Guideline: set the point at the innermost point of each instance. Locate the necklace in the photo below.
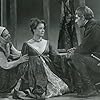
(37, 40)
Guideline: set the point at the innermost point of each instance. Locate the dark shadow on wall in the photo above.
(55, 14)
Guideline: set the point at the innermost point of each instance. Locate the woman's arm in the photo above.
(8, 65)
(53, 53)
(52, 50)
(15, 51)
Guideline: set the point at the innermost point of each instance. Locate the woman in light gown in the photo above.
(38, 78)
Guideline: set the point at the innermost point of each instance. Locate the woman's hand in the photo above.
(70, 52)
(23, 58)
(98, 64)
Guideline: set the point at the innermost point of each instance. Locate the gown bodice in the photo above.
(32, 51)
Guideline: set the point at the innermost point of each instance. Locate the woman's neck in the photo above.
(37, 38)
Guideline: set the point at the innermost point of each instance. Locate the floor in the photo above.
(65, 97)
(75, 98)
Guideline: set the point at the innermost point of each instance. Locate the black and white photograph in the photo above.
(49, 50)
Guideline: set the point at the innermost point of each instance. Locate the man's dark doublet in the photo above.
(91, 38)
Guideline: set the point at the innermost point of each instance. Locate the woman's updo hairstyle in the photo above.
(34, 22)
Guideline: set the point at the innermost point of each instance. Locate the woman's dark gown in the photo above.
(37, 72)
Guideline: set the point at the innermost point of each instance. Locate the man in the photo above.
(85, 64)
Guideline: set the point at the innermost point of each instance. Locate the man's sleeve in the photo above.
(88, 43)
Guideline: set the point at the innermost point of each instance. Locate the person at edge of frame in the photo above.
(85, 56)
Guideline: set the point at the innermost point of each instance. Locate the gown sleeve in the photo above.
(24, 49)
(52, 53)
(23, 67)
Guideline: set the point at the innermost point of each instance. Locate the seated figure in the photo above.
(85, 57)
(39, 78)
(9, 60)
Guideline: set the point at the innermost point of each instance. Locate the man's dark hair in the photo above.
(85, 11)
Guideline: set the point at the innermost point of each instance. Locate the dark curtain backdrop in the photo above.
(27, 9)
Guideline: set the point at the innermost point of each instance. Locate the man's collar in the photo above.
(89, 22)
